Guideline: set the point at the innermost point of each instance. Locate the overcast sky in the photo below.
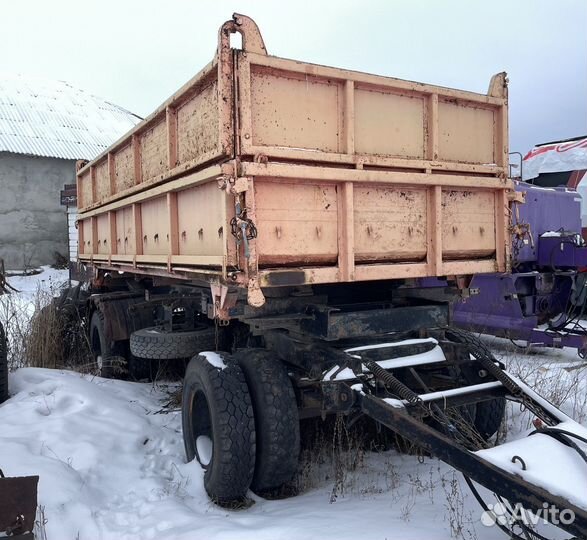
(136, 53)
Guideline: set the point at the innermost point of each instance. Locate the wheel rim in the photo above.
(202, 429)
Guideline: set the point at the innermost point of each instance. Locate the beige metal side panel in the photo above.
(465, 133)
(389, 124)
(154, 150)
(296, 222)
(197, 125)
(390, 224)
(155, 227)
(201, 222)
(124, 174)
(468, 224)
(102, 180)
(85, 246)
(84, 189)
(125, 231)
(103, 230)
(295, 112)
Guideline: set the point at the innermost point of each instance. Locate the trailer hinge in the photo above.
(223, 300)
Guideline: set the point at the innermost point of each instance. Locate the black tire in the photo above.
(110, 356)
(488, 417)
(3, 366)
(488, 414)
(156, 344)
(277, 423)
(217, 411)
(140, 369)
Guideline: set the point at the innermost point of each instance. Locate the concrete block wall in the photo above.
(33, 224)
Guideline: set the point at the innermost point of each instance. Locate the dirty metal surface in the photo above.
(18, 505)
(330, 324)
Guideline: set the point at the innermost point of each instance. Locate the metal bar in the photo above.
(173, 223)
(138, 228)
(366, 272)
(434, 231)
(81, 241)
(94, 233)
(432, 128)
(419, 165)
(349, 117)
(244, 105)
(111, 173)
(112, 235)
(433, 396)
(502, 240)
(331, 174)
(225, 74)
(93, 183)
(184, 260)
(171, 124)
(346, 232)
(136, 153)
(507, 485)
(333, 325)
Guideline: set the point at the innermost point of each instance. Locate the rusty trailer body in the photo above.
(264, 172)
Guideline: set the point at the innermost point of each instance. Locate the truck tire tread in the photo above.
(152, 343)
(276, 419)
(230, 471)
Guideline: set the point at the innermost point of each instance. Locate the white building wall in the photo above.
(73, 234)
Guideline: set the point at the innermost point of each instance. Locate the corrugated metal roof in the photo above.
(53, 119)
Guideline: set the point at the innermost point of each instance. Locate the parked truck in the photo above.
(283, 226)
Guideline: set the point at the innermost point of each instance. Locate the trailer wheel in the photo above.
(488, 414)
(140, 368)
(3, 366)
(276, 419)
(110, 356)
(219, 426)
(157, 344)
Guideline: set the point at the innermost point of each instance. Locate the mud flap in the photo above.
(18, 506)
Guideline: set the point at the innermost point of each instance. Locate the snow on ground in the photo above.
(49, 279)
(111, 464)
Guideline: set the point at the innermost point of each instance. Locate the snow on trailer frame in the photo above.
(263, 171)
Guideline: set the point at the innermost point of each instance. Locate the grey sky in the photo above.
(136, 53)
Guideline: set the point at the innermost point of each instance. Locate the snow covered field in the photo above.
(111, 464)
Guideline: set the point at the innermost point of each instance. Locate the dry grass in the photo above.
(39, 335)
(333, 452)
(562, 381)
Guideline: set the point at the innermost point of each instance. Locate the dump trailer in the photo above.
(295, 233)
